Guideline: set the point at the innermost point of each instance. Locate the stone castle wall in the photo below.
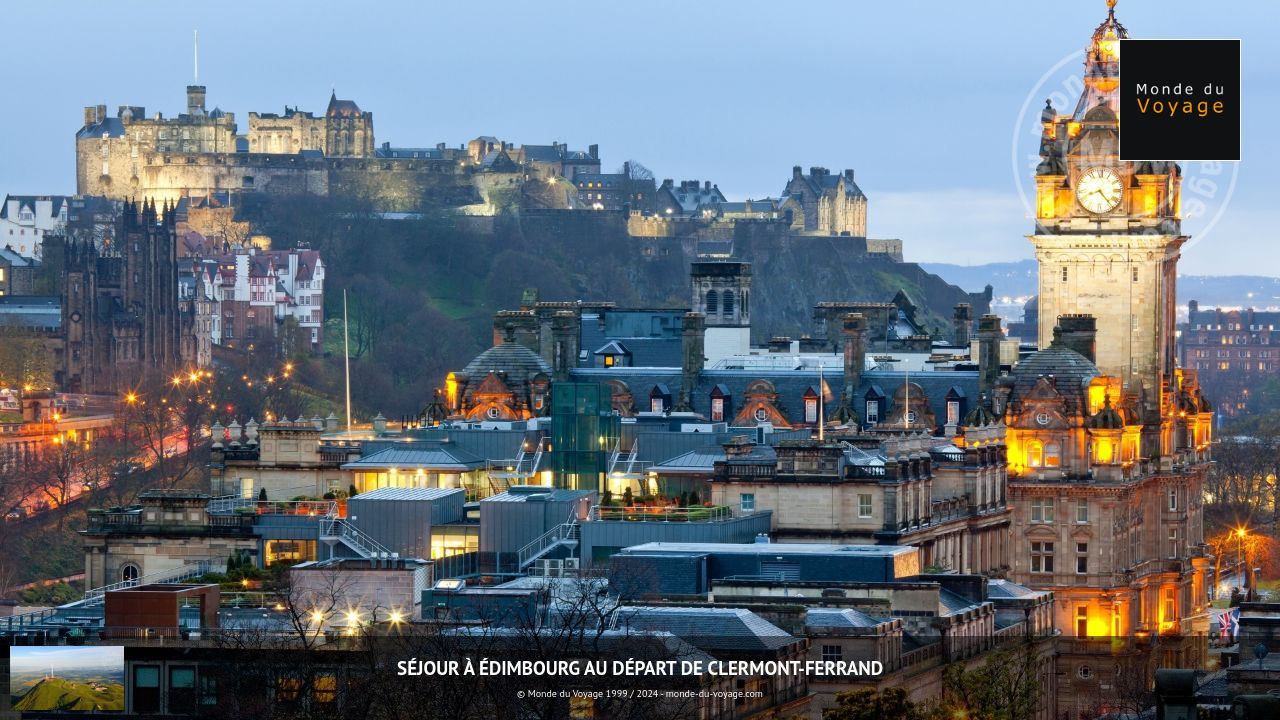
(119, 168)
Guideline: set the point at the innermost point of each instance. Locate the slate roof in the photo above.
(708, 629)
(839, 617)
(608, 180)
(1214, 316)
(517, 494)
(613, 347)
(426, 455)
(13, 259)
(29, 201)
(31, 311)
(541, 153)
(690, 195)
(702, 460)
(341, 108)
(1071, 372)
(953, 603)
(1003, 589)
(682, 548)
(396, 152)
(789, 384)
(408, 493)
(112, 126)
(514, 363)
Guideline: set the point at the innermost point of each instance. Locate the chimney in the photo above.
(693, 357)
(854, 330)
(848, 175)
(1192, 308)
(594, 151)
(90, 116)
(989, 336)
(1079, 333)
(565, 325)
(780, 344)
(101, 111)
(960, 322)
(817, 172)
(707, 186)
(796, 172)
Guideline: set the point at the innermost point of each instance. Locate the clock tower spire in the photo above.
(1108, 233)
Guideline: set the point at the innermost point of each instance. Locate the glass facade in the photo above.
(584, 434)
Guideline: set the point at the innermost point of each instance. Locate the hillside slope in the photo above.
(66, 695)
(423, 290)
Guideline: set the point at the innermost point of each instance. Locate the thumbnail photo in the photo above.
(67, 679)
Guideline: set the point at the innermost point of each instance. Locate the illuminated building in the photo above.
(1108, 441)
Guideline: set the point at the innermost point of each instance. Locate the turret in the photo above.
(195, 100)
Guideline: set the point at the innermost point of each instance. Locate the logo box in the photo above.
(1179, 99)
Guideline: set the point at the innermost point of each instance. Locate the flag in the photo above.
(1228, 623)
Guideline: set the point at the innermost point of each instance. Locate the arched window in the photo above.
(1035, 454)
(712, 301)
(728, 302)
(1052, 455)
(129, 572)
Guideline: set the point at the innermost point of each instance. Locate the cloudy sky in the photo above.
(922, 99)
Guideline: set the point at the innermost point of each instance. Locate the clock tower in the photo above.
(1107, 232)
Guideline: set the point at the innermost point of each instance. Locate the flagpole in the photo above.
(822, 390)
(906, 411)
(346, 355)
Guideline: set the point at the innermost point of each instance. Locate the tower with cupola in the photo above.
(1108, 441)
(1108, 232)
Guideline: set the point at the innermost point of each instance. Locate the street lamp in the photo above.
(1244, 570)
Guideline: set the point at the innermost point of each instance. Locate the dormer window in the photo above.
(659, 399)
(719, 403)
(811, 406)
(873, 412)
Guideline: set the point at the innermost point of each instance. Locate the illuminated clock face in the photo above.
(1099, 190)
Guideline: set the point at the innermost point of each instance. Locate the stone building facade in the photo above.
(343, 131)
(121, 315)
(165, 531)
(1232, 351)
(825, 204)
(129, 156)
(1108, 441)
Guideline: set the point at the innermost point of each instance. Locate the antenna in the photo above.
(346, 355)
(196, 55)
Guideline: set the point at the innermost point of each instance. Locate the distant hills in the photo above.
(62, 694)
(1019, 279)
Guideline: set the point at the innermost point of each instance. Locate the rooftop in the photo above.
(774, 549)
